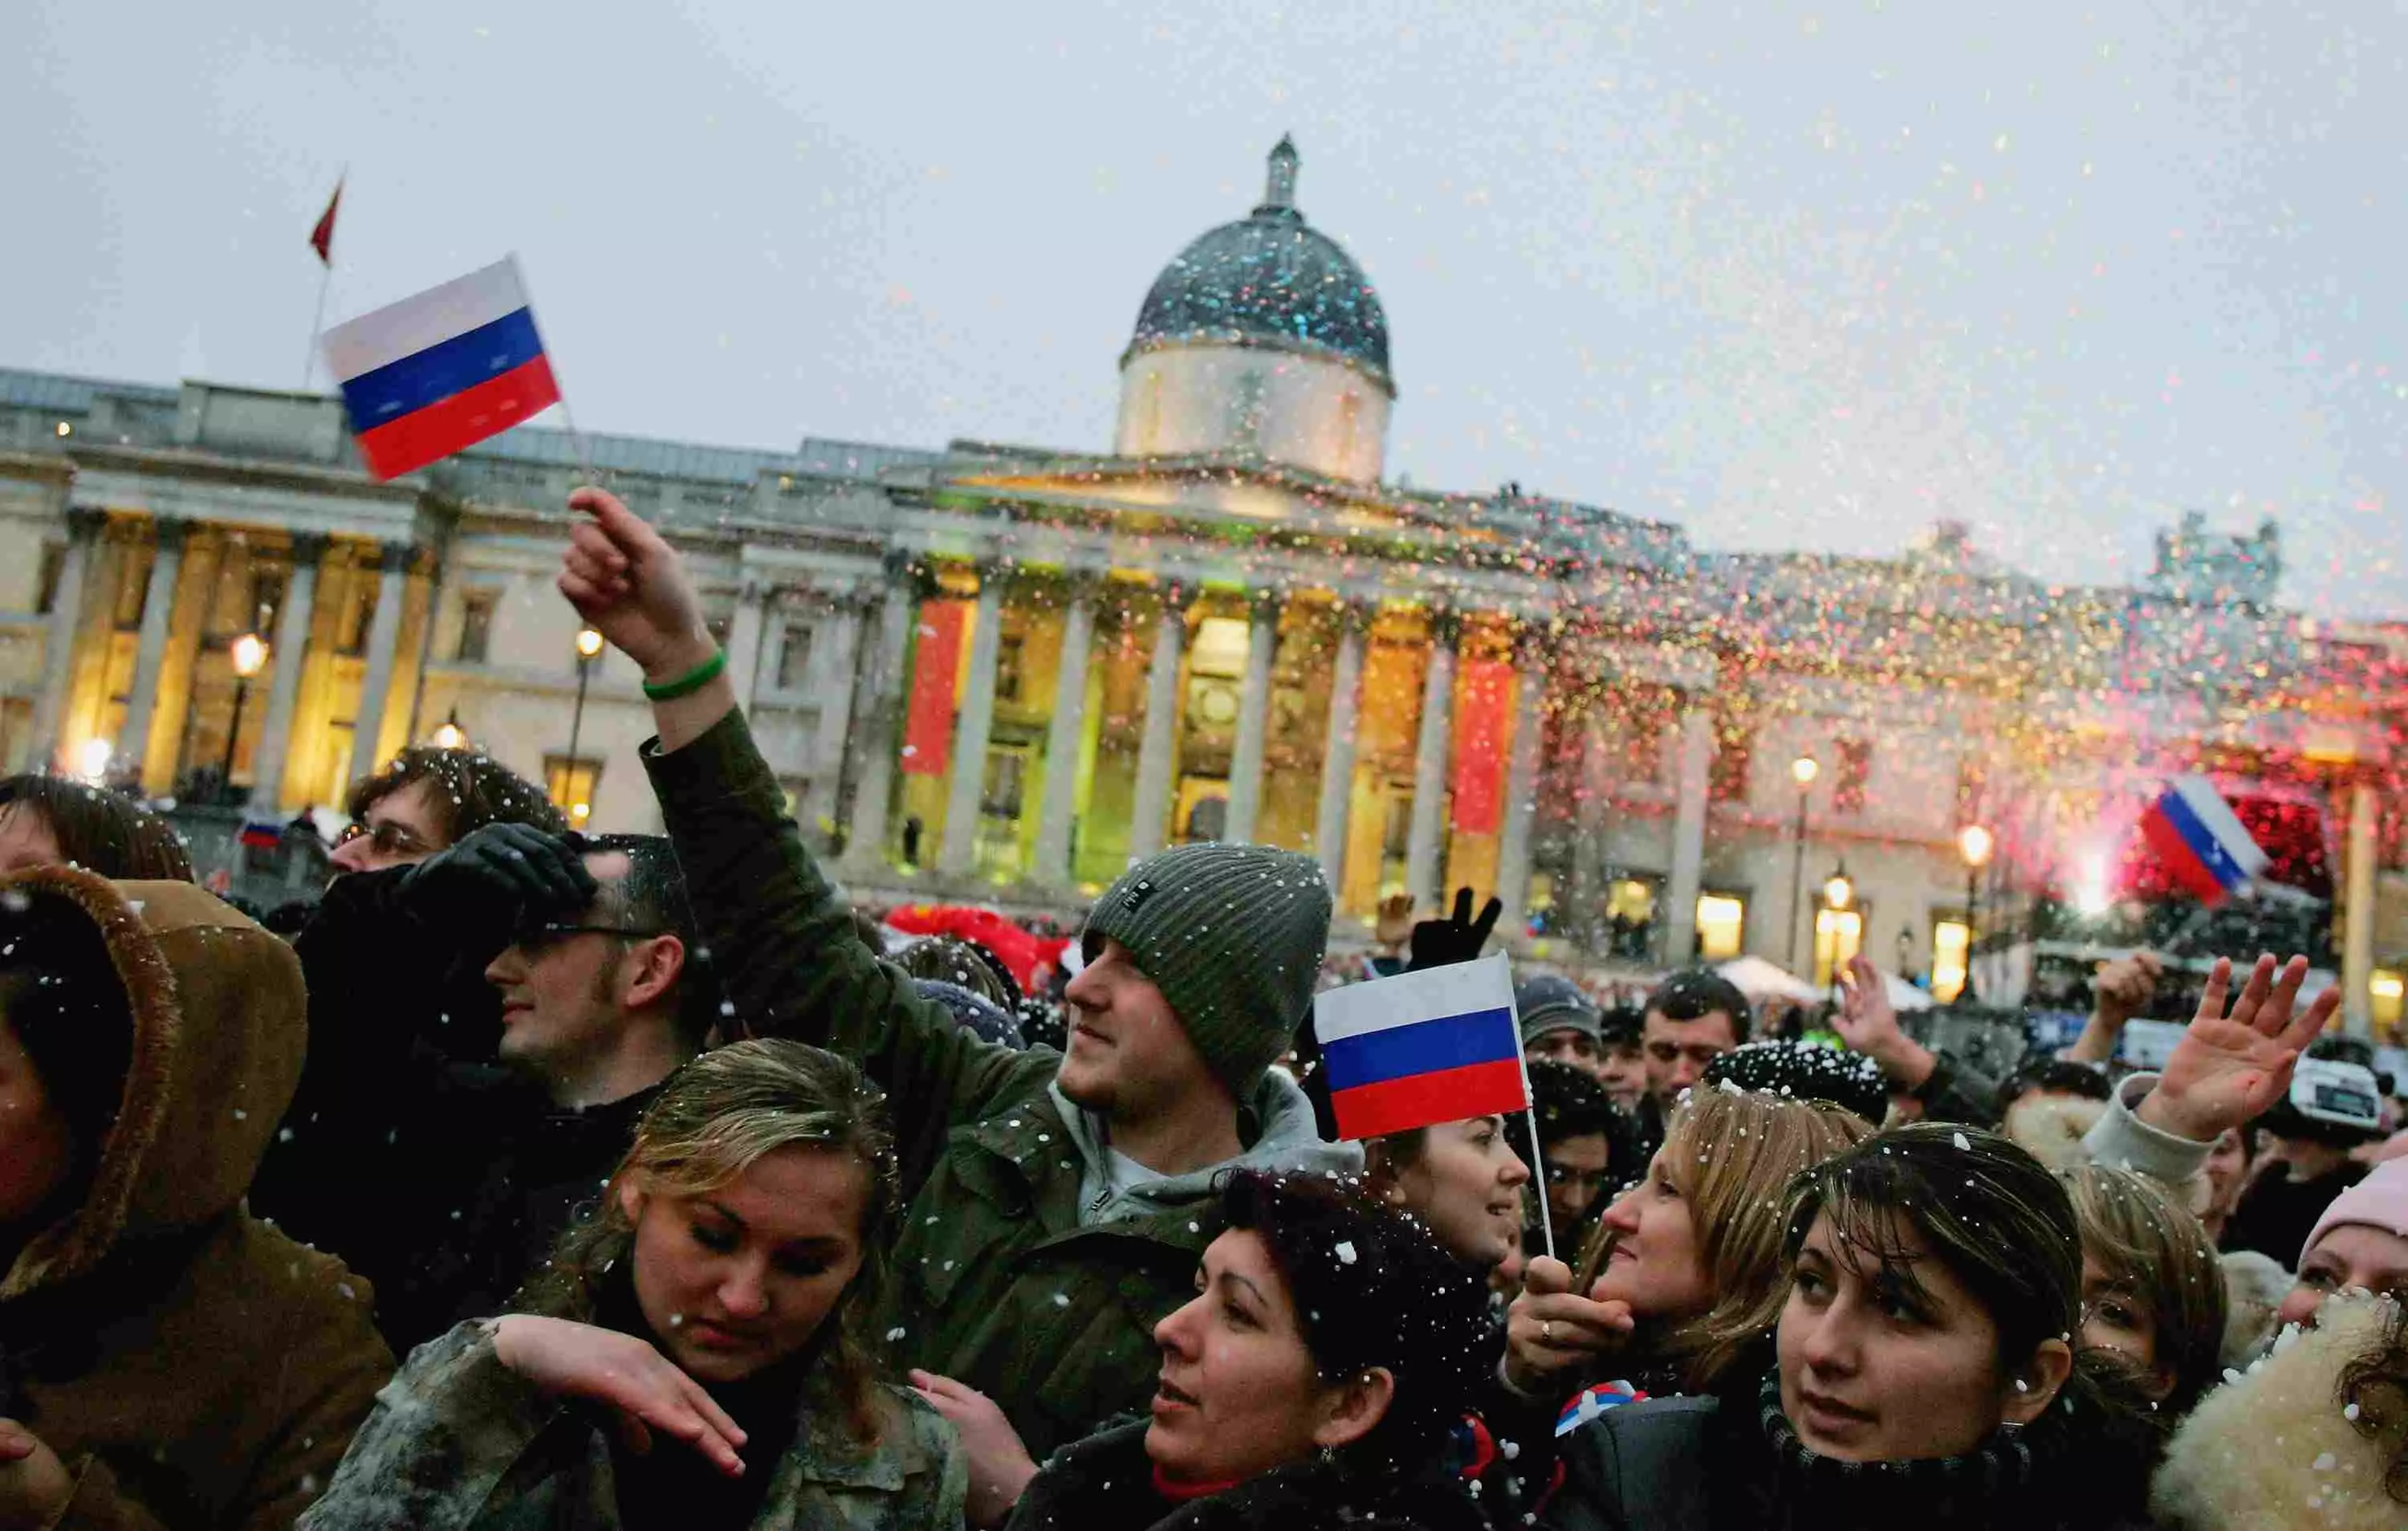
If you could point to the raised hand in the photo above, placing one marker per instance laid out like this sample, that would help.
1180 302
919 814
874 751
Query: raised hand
581 1361
1553 1335
624 578
2123 987
1441 943
2229 1069
1000 1466
1868 1023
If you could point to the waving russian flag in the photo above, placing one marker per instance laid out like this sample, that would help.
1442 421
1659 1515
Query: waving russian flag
2201 840
432 374
1421 1048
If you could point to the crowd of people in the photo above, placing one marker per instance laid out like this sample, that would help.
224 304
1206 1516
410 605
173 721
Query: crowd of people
552 1179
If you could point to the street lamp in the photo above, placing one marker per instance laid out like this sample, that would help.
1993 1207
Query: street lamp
589 646
1976 844
249 655
1837 892
449 735
1802 770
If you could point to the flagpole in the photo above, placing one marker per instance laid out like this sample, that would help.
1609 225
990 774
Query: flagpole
1539 1168
317 324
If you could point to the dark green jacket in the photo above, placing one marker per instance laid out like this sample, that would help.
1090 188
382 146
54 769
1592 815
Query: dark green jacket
1003 1280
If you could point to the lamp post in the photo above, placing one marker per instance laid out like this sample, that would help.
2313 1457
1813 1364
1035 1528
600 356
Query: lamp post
589 646
248 653
1974 843
449 735
1802 770
1839 892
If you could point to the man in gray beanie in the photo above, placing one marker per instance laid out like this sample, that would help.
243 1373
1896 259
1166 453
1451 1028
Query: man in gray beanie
1056 1205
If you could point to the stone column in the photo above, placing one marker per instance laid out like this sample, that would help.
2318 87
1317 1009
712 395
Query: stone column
1586 917
744 641
833 728
292 638
1157 759
203 561
150 648
1338 757
384 639
1061 800
877 731
1423 843
1253 718
2358 932
1522 784
967 790
1688 835
59 640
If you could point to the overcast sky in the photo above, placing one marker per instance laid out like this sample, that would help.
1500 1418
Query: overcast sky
1793 276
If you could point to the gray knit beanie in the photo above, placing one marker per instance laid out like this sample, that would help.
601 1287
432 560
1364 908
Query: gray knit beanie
1233 936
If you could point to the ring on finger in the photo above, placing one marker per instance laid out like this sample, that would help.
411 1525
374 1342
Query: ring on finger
1546 1331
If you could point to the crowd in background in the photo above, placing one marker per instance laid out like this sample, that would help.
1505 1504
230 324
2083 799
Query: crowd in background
543 1178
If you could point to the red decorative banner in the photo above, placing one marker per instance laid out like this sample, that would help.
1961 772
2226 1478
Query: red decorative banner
937 667
1483 722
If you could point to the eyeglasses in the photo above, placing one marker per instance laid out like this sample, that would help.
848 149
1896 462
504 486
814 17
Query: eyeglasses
534 939
387 837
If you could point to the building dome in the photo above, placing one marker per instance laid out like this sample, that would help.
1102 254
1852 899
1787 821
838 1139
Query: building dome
1269 280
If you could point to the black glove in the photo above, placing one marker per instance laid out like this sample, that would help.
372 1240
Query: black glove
1441 943
495 880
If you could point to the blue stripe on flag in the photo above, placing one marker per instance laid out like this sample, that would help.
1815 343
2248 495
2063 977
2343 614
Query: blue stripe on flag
1425 1046
444 369
2201 841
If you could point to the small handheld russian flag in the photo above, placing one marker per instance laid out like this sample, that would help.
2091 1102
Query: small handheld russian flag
1589 1402
2201 840
435 374
1421 1047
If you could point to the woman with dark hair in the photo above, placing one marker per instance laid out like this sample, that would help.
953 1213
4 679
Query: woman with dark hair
697 1353
51 821
1925 1375
1331 1345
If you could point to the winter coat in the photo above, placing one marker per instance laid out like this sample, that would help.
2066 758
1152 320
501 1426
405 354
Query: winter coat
459 1440
401 1112
1106 1483
2275 1449
190 1365
1732 1462
1019 1270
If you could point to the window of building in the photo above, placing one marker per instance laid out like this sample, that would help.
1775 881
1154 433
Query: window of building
1839 937
1948 944
267 586
1006 773
54 562
1734 759
573 780
795 656
1848 788
1007 667
1722 926
1219 649
1630 904
2384 990
476 626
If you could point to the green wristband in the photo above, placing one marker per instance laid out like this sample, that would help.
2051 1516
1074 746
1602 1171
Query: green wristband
692 681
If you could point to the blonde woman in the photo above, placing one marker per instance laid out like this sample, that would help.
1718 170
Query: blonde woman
2152 1291
696 1354
1685 1274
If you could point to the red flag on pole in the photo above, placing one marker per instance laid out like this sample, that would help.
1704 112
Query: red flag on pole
322 238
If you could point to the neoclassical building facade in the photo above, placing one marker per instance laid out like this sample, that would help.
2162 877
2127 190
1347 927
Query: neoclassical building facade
999 672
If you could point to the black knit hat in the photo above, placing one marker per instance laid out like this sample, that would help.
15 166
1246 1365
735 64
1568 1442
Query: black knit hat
1233 935
1805 1070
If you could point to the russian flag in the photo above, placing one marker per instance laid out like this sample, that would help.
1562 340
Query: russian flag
1421 1047
432 374
1589 1402
2201 842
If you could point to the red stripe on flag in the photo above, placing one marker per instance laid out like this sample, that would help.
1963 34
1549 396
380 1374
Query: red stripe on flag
2175 855
322 237
928 727
1400 1106
461 421
1481 725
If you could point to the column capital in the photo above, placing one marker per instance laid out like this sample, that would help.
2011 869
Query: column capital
173 531
1085 585
1355 613
1446 623
1176 594
395 557
1265 604
310 547
84 524
1534 646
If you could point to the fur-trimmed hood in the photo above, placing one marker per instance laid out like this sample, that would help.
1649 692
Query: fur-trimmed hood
219 1027
2274 1450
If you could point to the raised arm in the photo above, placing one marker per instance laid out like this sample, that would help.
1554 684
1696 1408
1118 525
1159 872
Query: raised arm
782 941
